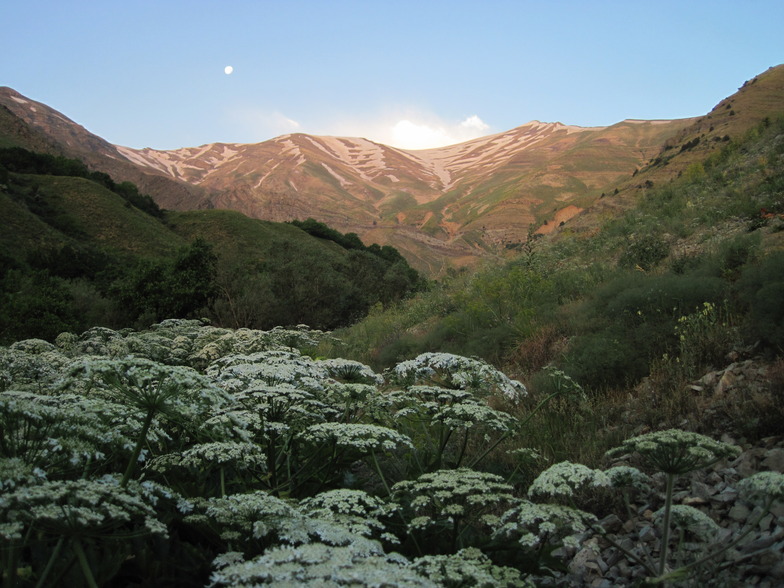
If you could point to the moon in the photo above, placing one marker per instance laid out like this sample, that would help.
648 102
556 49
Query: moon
227 70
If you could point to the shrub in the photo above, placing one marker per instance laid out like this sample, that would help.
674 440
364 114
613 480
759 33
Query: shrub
645 252
761 291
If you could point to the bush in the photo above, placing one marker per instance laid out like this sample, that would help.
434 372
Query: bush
602 360
645 252
761 291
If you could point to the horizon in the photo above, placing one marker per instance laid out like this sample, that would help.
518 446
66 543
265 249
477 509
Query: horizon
168 75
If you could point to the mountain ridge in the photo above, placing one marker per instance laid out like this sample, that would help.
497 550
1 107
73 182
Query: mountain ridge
447 206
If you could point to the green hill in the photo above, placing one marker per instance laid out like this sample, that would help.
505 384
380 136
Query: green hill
82 251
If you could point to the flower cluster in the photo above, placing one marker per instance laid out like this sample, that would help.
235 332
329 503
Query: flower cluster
565 479
692 520
81 507
272 368
316 564
675 451
458 372
469 567
14 472
763 486
628 477
206 455
255 515
531 524
364 438
62 432
356 510
446 495
351 371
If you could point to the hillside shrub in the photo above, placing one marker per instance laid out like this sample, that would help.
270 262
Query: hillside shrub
731 256
631 321
761 292
645 252
604 360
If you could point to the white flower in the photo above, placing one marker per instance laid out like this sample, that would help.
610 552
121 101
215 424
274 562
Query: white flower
532 524
676 452
468 567
86 507
456 371
320 565
351 371
444 494
365 438
628 477
564 479
356 510
206 455
691 519
762 486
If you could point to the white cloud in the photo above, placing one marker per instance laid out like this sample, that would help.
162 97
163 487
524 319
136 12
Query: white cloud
411 130
474 122
408 134
405 129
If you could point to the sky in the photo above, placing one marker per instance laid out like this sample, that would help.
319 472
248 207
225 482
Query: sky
412 74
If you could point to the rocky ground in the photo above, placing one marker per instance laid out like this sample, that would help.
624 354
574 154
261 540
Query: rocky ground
757 560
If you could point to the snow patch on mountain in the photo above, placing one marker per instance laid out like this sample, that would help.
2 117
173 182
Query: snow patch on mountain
344 183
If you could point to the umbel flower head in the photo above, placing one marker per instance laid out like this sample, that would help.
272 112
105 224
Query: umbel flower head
531 524
693 520
364 438
675 451
457 372
565 479
453 494
84 508
323 566
174 391
469 567
356 510
763 486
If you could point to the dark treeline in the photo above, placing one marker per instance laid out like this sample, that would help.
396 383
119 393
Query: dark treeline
78 282
22 161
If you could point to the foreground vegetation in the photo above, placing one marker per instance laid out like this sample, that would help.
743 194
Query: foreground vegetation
192 455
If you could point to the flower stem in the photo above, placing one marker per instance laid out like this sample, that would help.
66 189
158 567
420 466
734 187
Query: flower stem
666 523
380 473
82 557
138 449
50 564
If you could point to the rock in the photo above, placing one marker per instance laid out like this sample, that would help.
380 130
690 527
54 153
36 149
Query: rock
647 534
726 382
702 490
739 513
611 523
694 501
765 522
777 571
725 496
774 459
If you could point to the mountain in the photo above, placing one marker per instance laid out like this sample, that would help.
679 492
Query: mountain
450 203
37 127
440 207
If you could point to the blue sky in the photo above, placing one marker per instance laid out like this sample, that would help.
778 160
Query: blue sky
411 73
